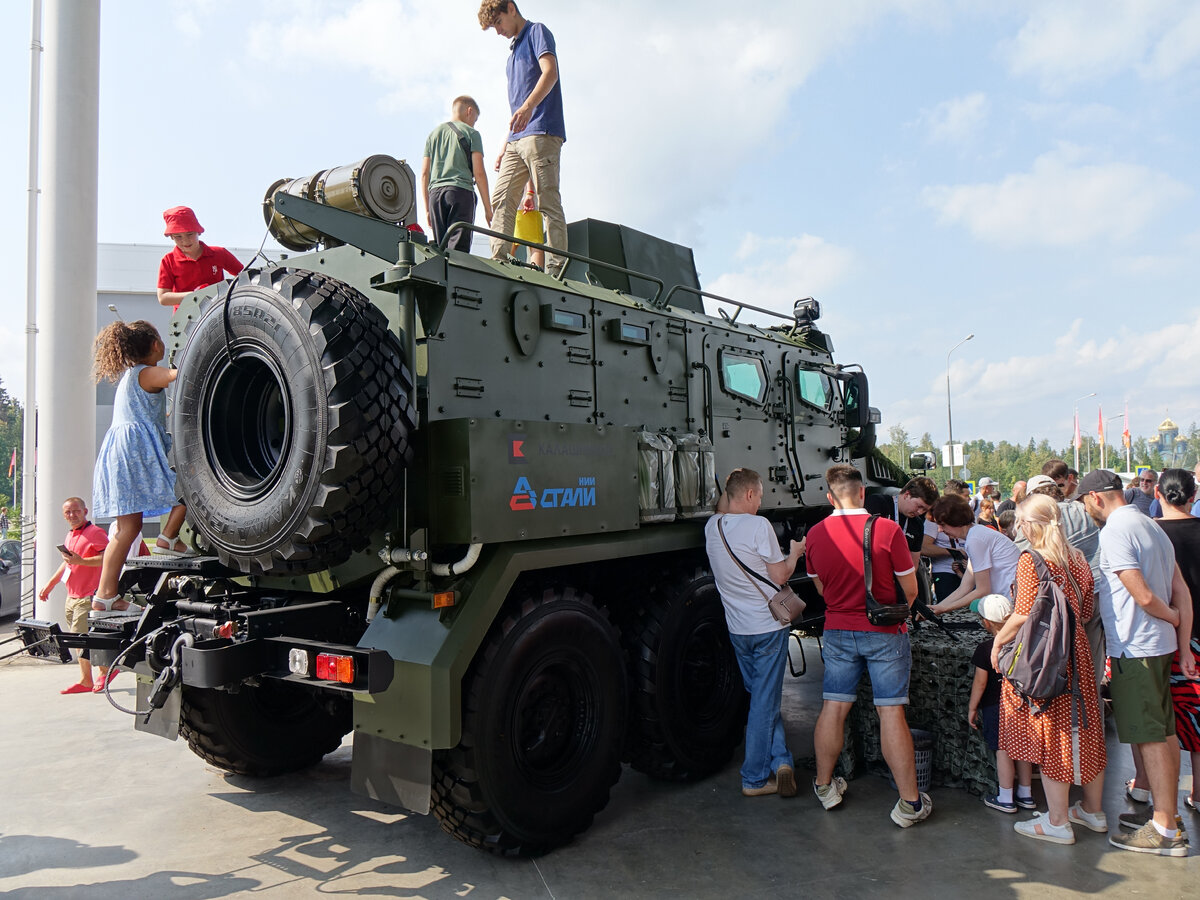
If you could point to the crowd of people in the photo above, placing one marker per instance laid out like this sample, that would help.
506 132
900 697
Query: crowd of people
1128 578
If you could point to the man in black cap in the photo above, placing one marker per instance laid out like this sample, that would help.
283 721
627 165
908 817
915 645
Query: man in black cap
1147 613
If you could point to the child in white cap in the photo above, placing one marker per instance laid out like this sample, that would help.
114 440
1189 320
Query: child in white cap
994 610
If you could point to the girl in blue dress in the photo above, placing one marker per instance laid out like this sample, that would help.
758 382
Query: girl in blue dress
133 477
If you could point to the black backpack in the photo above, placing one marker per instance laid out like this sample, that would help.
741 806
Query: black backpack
1039 661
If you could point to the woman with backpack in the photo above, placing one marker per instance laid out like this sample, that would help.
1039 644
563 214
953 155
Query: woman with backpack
1045 737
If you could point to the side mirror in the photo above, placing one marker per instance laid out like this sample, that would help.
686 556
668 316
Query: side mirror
856 403
922 461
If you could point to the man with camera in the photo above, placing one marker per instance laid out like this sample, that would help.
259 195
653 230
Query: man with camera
835 561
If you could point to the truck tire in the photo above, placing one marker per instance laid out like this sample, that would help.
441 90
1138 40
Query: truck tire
543 721
689 703
290 453
268 729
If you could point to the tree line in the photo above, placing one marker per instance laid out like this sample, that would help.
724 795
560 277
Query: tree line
1007 462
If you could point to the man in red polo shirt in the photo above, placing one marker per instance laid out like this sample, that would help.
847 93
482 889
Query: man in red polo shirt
852 643
192 264
81 564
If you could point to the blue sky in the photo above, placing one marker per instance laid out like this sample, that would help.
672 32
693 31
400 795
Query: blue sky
1025 171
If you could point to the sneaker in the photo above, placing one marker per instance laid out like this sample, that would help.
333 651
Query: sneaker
1137 795
1191 804
1147 840
785 777
1026 802
1135 820
997 804
771 787
1097 822
830 794
1040 829
904 815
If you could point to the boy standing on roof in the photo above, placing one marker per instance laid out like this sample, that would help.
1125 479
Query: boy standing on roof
192 264
450 172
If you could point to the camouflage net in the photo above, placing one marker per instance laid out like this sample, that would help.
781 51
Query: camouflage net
939 693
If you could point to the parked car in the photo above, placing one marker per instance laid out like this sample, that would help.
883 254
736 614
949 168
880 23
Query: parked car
10 578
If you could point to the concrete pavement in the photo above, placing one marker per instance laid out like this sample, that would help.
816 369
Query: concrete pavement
90 808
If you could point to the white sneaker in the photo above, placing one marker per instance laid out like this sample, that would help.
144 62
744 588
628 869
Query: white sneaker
1097 822
905 816
830 794
1040 829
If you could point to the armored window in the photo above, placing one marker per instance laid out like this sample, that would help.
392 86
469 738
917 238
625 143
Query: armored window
744 376
816 388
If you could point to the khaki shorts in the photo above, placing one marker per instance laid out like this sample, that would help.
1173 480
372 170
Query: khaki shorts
1141 696
77 611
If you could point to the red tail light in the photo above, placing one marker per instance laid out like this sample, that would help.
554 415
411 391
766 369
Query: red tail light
335 668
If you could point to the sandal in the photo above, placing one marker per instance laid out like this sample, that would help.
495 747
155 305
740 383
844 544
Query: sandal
79 688
163 547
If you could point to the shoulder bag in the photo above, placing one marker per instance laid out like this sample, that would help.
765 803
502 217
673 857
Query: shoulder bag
884 615
785 606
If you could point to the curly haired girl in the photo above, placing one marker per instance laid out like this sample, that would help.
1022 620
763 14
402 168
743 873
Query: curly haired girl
133 478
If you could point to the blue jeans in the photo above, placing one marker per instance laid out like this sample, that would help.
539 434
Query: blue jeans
762 657
886 657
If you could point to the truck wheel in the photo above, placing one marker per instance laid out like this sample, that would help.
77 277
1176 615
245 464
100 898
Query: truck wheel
265 730
291 423
543 721
689 702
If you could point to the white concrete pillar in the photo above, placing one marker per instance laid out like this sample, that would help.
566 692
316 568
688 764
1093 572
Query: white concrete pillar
66 276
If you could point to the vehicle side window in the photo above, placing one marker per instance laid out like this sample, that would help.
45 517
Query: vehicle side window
745 376
10 552
815 388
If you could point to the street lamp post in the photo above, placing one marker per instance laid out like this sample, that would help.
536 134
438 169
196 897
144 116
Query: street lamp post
1075 428
949 418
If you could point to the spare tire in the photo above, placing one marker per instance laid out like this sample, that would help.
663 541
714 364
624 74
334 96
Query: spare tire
292 421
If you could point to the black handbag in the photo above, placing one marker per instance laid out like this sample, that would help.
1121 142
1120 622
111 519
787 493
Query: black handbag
784 604
886 615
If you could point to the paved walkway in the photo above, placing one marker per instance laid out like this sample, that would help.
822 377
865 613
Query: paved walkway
90 808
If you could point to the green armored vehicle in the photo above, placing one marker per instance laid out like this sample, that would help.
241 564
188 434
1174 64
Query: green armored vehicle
456 506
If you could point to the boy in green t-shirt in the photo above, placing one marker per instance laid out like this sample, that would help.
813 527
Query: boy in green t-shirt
451 171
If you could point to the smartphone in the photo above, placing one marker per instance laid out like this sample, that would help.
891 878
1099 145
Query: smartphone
62 548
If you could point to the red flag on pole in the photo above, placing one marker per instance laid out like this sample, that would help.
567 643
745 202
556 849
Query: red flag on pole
1100 427
1125 434
12 465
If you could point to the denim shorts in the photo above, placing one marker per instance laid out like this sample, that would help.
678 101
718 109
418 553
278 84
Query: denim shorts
887 657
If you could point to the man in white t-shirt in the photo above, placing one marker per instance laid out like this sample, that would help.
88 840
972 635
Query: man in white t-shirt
759 642
1147 612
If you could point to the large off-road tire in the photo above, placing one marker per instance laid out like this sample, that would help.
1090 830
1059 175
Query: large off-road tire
689 703
543 721
268 729
291 422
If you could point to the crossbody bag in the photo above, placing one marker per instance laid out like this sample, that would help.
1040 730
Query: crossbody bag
884 615
785 605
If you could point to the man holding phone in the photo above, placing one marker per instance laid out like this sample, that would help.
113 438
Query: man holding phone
83 554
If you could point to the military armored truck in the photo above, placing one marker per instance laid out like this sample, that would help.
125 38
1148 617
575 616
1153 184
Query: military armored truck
456 506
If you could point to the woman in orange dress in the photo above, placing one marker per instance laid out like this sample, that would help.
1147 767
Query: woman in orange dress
1045 738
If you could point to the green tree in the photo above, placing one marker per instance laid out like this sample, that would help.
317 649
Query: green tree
11 424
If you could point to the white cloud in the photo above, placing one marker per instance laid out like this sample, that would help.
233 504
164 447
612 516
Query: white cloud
956 120
776 272
1077 41
1010 397
656 114
1061 201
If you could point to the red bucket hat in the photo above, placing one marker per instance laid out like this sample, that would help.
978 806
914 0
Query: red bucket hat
180 220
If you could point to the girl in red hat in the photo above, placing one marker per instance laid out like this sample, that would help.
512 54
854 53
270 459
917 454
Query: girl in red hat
192 264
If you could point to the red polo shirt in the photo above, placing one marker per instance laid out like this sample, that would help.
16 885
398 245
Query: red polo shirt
834 553
178 272
88 540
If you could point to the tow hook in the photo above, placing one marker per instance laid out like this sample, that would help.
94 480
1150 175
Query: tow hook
170 675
